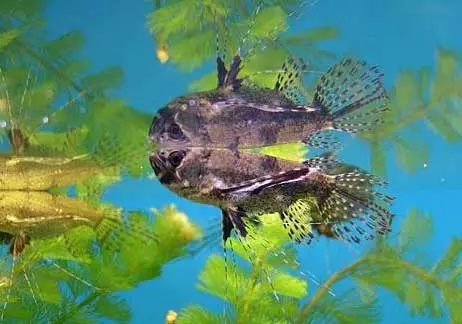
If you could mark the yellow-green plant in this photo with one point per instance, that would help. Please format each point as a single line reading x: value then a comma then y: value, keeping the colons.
x: 78, y: 275
x: 258, y: 28
x: 426, y: 97
x: 396, y: 265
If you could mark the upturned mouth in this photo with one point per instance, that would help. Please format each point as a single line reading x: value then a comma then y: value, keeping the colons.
x: 157, y: 164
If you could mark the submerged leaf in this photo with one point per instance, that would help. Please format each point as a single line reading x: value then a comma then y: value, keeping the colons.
x: 405, y: 91
x: 288, y: 285
x: 108, y: 78
x: 446, y: 71
x: 207, y: 82
x: 345, y: 308
x: 410, y: 155
x: 195, y: 314
x: 269, y: 22
x: 7, y: 37
x: 314, y: 35
x: 416, y: 229
x: 114, y: 308
x: 378, y: 158
x: 64, y: 46
x: 414, y: 297
x: 445, y: 122
x: 191, y: 53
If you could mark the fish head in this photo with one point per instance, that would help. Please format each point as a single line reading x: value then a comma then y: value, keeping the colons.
x: 187, y: 173
x: 179, y: 123
x: 178, y: 169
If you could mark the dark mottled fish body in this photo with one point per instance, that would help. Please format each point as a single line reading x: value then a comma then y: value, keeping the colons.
x: 204, y: 171
x: 200, y: 137
x: 244, y: 119
x: 252, y: 184
x: 349, y: 97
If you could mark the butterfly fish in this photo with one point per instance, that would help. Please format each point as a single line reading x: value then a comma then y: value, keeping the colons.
x: 349, y: 97
x: 349, y: 207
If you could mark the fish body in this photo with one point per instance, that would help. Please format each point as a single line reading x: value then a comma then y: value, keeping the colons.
x: 200, y: 173
x: 251, y: 184
x: 200, y: 137
x: 235, y: 120
x: 349, y: 97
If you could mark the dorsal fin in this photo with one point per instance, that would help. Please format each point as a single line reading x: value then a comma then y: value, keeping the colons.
x: 229, y: 79
x: 289, y: 80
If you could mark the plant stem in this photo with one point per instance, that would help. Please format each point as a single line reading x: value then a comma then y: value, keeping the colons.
x: 78, y: 307
x: 50, y: 66
x: 418, y: 113
x: 303, y: 315
x: 413, y: 269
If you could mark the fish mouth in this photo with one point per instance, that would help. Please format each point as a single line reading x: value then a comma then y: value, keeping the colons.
x: 157, y: 164
x: 161, y: 169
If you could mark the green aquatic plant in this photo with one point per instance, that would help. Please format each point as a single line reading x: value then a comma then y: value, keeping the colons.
x: 423, y: 99
x: 52, y: 106
x: 397, y: 265
x: 246, y: 289
x: 78, y: 276
x: 260, y: 29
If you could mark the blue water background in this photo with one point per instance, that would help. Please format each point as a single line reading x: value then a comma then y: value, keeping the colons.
x: 395, y: 34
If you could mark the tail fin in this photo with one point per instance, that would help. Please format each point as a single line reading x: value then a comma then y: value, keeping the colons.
x: 353, y: 95
x: 349, y: 206
x: 352, y: 203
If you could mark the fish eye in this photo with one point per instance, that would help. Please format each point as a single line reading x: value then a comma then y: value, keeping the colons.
x: 175, y: 132
x: 175, y: 158
x: 192, y: 102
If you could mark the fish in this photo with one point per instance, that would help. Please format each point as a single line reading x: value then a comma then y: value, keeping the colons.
x: 249, y: 184
x: 349, y: 97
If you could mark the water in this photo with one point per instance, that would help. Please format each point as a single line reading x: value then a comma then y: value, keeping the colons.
x: 396, y: 35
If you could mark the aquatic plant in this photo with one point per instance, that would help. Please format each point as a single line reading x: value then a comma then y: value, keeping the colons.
x: 69, y: 259
x: 50, y: 105
x: 78, y: 276
x: 423, y: 99
x: 396, y: 265
x: 258, y: 28
x: 249, y: 290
